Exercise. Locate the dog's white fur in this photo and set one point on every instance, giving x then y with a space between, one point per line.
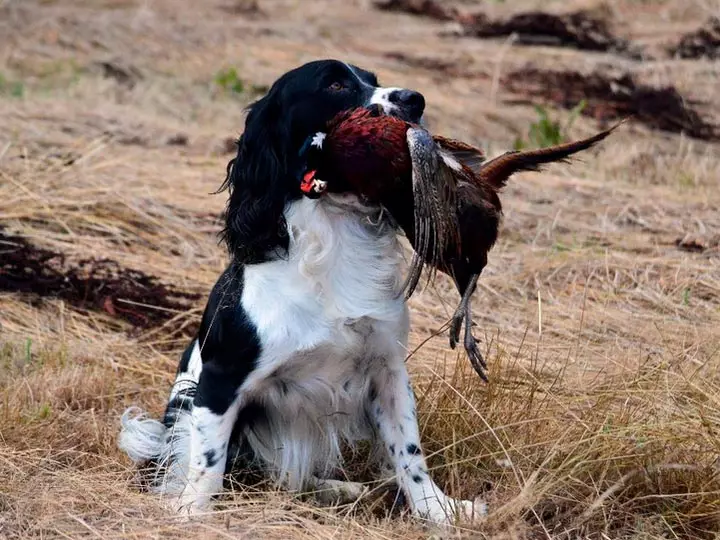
333 326
332 320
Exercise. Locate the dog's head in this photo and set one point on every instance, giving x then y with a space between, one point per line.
263 176
309 96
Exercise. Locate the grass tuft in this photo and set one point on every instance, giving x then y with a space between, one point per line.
546 132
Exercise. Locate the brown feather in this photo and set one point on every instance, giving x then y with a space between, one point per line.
434 190
468 155
439 191
497 171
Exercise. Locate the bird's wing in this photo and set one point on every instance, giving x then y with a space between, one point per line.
435 215
352 117
468 155
497 171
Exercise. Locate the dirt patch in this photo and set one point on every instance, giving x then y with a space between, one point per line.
92 284
124 74
611 98
699 243
439 67
243 7
702 43
427 8
581 30
423 62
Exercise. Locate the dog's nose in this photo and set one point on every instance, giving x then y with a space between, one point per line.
413 103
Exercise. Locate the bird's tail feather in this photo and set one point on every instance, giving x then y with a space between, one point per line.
497 171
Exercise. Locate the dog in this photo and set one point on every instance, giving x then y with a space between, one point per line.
302 345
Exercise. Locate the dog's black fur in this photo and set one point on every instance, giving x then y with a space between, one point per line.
302 343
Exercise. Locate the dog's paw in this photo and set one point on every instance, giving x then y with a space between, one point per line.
189 504
339 491
447 511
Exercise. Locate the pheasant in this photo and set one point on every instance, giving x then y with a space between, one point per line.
441 192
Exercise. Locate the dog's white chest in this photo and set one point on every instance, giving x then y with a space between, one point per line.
329 317
340 268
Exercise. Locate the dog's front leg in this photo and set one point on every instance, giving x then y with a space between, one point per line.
392 407
215 408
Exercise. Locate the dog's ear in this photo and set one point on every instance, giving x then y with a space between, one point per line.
260 184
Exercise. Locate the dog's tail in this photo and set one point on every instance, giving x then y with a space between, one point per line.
160 452
161 449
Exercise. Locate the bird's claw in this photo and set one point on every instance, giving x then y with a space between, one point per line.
454 331
456 323
476 357
470 342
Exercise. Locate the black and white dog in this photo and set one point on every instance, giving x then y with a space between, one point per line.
302 344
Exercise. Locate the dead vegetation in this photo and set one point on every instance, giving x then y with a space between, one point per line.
437 65
598 312
96 284
583 30
604 96
427 8
700 243
702 43
580 30
611 98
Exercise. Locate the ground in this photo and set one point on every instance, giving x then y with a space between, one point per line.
599 311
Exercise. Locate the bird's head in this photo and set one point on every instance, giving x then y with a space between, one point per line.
311 151
317 157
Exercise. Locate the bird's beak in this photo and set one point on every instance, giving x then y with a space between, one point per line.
311 186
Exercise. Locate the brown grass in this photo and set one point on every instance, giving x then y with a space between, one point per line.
602 417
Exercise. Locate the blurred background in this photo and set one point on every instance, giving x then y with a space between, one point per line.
599 311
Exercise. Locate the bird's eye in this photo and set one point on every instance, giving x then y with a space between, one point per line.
336 86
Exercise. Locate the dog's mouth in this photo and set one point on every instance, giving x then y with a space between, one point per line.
401 113
406 113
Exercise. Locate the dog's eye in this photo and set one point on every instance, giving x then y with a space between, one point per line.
336 86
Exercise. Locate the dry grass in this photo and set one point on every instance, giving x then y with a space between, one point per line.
602 417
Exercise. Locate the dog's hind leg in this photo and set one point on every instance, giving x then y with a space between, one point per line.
329 491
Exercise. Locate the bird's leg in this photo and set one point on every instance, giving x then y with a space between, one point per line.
464 313
470 342
458 318
465 284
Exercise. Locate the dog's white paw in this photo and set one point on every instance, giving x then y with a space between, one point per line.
448 511
189 504
339 491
